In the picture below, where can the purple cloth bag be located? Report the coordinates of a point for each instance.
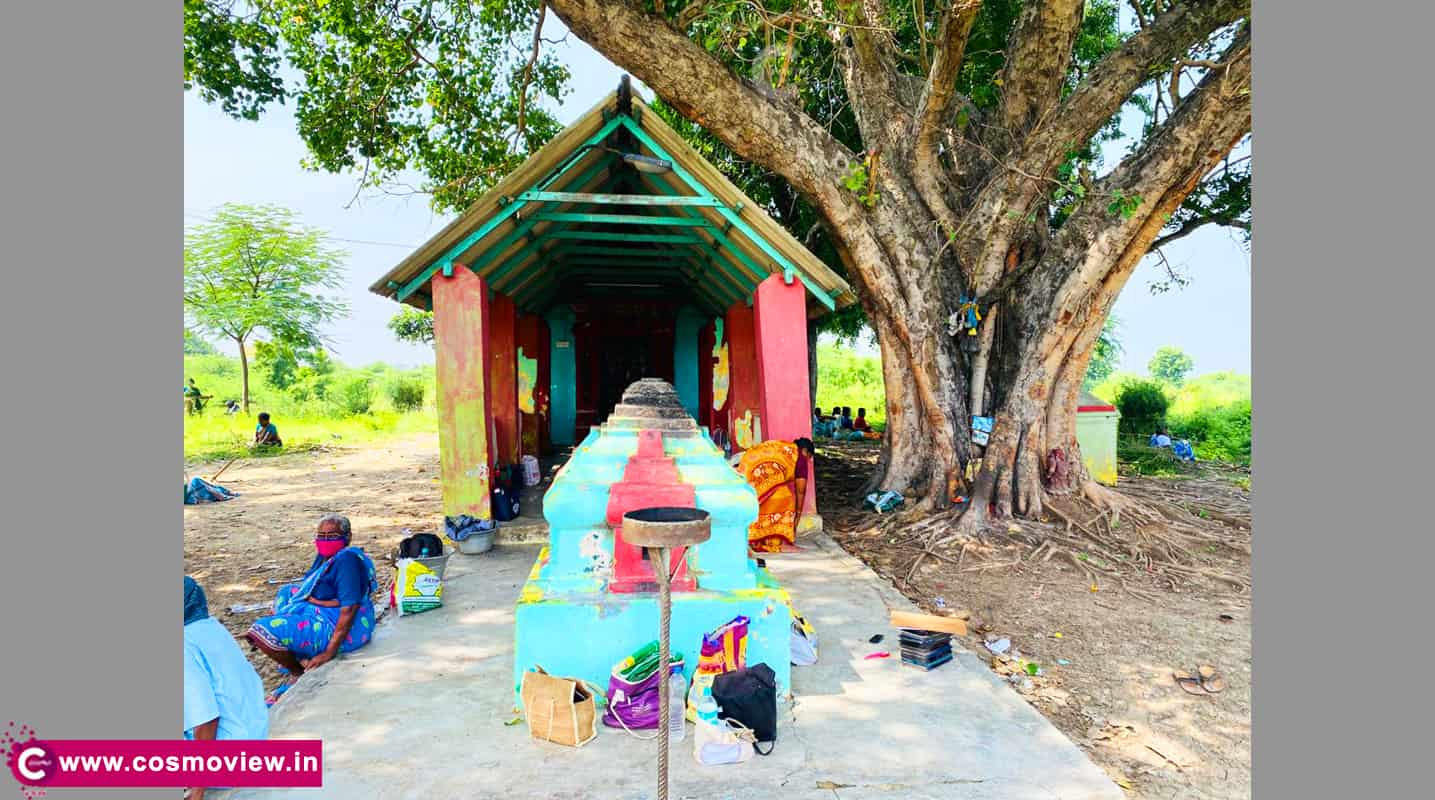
(635, 706)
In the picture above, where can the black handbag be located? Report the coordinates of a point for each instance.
(749, 696)
(421, 545)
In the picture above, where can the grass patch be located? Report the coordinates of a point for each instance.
(845, 378)
(1135, 456)
(214, 435)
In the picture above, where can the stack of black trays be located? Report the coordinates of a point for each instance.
(926, 650)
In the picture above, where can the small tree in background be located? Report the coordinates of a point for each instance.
(255, 268)
(356, 396)
(1105, 355)
(1143, 407)
(412, 325)
(1170, 365)
(407, 394)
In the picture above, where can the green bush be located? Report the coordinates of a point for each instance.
(407, 394)
(1143, 405)
(356, 396)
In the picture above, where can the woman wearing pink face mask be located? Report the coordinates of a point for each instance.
(330, 611)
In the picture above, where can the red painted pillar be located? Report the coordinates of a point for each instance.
(461, 321)
(744, 392)
(780, 317)
(528, 382)
(503, 373)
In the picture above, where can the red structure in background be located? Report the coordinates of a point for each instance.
(503, 379)
(650, 480)
(616, 344)
(744, 384)
(530, 425)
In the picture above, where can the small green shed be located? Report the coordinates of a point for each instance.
(1096, 434)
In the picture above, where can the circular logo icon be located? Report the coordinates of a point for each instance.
(34, 763)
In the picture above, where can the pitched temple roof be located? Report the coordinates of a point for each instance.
(619, 203)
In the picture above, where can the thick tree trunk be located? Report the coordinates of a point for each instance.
(963, 211)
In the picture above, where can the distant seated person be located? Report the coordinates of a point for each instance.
(265, 434)
(194, 398)
(836, 414)
(1179, 447)
(846, 423)
(330, 611)
(231, 407)
(860, 424)
(821, 425)
(223, 695)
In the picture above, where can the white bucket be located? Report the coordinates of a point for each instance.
(475, 544)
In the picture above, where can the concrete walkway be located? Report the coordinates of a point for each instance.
(420, 712)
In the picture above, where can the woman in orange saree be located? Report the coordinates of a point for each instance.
(779, 471)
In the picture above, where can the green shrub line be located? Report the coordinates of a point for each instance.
(317, 408)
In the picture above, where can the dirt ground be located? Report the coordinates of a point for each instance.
(1114, 696)
(240, 550)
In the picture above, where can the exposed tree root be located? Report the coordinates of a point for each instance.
(1107, 536)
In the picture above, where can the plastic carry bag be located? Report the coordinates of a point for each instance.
(416, 587)
(723, 650)
(804, 641)
(721, 742)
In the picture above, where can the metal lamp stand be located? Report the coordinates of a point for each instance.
(658, 530)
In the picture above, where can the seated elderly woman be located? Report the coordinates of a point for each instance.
(329, 611)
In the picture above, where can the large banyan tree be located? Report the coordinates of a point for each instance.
(947, 155)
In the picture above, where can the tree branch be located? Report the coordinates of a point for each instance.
(764, 130)
(934, 108)
(1121, 73)
(1037, 58)
(1186, 147)
(1001, 205)
(1190, 226)
(869, 54)
(528, 72)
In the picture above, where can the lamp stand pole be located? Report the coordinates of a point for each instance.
(658, 556)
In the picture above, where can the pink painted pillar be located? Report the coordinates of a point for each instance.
(503, 379)
(461, 321)
(780, 322)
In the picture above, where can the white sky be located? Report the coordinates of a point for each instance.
(226, 160)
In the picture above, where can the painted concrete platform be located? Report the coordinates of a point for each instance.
(420, 712)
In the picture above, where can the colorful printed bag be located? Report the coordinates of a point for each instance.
(724, 650)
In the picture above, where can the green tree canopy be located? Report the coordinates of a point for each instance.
(255, 268)
(412, 325)
(1170, 365)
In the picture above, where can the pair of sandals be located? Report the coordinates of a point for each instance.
(286, 685)
(1206, 680)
